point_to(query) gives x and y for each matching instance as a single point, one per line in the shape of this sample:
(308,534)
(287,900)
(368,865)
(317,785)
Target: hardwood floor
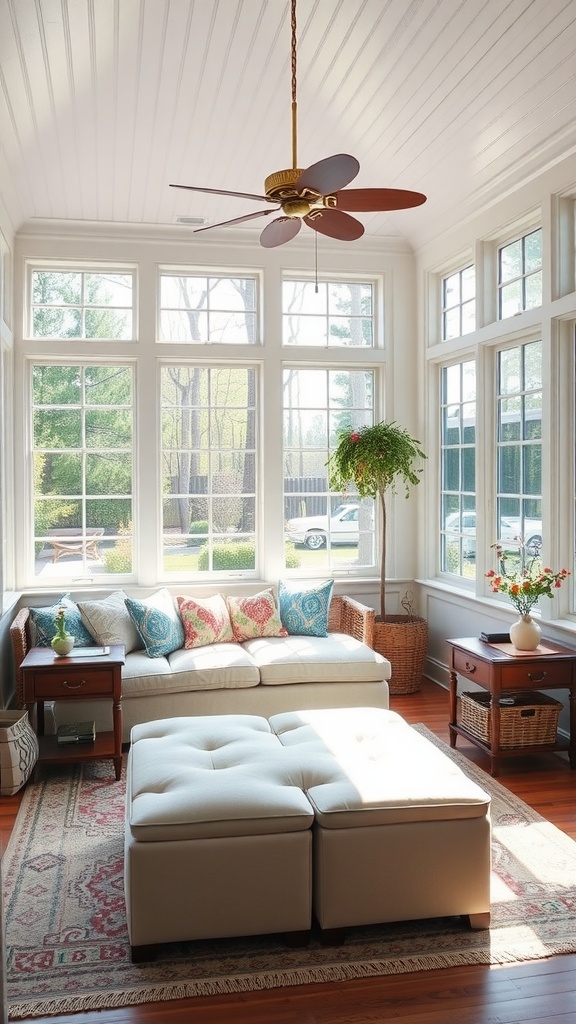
(532,993)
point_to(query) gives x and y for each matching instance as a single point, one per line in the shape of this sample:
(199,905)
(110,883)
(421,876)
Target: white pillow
(109,621)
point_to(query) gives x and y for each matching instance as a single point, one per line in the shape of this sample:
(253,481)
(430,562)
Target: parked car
(510,530)
(313,531)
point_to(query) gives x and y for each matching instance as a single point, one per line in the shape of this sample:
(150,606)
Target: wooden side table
(497,667)
(78,678)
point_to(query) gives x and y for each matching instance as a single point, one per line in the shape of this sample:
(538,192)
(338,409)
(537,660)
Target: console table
(77,677)
(498,668)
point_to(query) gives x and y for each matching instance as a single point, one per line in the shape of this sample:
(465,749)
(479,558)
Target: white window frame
(82,267)
(210,273)
(326,280)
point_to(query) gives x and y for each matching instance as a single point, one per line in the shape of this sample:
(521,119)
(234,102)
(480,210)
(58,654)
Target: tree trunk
(383,556)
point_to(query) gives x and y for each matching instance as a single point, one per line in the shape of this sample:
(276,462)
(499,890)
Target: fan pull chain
(294,104)
(316,262)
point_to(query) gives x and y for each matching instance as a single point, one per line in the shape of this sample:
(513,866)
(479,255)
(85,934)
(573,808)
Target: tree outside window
(326,531)
(82,429)
(208,469)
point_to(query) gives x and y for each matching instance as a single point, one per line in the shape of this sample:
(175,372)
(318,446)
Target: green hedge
(199,526)
(231,556)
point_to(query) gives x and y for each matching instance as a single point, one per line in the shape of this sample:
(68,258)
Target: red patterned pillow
(205,620)
(255,616)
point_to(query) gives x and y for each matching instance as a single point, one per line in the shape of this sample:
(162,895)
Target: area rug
(66,937)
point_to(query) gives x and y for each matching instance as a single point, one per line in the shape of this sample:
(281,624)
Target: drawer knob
(73,686)
(539,678)
(470,668)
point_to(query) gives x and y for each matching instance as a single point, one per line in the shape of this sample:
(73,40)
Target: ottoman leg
(297,940)
(141,954)
(479,922)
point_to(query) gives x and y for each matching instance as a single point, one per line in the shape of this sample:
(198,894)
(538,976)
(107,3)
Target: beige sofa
(362,818)
(261,676)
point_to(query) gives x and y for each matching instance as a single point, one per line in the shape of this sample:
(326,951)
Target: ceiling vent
(191,221)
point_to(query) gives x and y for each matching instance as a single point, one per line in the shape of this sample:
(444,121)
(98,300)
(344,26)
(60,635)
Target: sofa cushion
(255,616)
(213,667)
(158,624)
(308,659)
(305,612)
(205,620)
(43,626)
(109,621)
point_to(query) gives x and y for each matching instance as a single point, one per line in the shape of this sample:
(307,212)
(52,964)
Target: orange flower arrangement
(526,586)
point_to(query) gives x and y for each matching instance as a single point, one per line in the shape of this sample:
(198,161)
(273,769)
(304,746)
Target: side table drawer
(527,677)
(470,667)
(72,683)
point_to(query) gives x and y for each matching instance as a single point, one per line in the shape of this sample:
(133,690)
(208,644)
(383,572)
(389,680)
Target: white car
(509,528)
(313,531)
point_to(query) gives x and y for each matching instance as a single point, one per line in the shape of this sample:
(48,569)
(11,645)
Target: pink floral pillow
(255,616)
(205,620)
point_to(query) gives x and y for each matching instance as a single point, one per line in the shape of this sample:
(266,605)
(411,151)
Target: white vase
(62,645)
(525,634)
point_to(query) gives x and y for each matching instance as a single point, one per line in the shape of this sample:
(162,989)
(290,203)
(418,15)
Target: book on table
(76,732)
(89,652)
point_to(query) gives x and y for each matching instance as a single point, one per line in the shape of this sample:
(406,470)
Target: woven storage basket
(18,751)
(403,639)
(531,720)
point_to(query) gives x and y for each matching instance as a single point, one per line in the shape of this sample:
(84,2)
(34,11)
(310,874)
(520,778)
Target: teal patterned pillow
(158,624)
(305,612)
(43,627)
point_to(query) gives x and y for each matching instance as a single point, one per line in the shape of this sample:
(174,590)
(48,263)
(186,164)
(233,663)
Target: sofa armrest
(20,646)
(352,617)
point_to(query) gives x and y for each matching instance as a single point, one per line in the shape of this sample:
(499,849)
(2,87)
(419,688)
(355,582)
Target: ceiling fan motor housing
(282,187)
(282,184)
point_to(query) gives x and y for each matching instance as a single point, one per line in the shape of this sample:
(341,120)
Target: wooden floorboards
(533,993)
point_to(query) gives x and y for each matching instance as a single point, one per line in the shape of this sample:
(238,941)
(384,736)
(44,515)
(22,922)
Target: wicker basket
(531,720)
(403,639)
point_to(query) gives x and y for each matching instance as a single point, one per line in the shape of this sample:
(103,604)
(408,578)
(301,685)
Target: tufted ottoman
(236,825)
(218,838)
(400,832)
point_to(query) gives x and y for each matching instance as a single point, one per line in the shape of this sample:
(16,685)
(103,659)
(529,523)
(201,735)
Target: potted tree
(377,460)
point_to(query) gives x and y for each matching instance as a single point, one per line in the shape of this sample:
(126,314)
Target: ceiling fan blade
(330,174)
(335,224)
(235,220)
(280,231)
(373,200)
(224,192)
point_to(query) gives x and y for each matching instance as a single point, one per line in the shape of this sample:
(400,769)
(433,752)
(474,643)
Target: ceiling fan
(316,195)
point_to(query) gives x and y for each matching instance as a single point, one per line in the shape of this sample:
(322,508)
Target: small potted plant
(377,460)
(62,642)
(524,587)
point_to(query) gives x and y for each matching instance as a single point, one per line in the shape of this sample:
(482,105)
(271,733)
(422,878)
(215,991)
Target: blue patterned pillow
(43,626)
(158,624)
(305,612)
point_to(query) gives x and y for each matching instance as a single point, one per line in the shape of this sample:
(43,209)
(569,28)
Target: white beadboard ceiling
(103,103)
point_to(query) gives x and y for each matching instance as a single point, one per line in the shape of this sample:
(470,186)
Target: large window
(82,450)
(149,461)
(199,309)
(519,449)
(209,446)
(458,469)
(458,303)
(520,275)
(329,313)
(92,304)
(324,530)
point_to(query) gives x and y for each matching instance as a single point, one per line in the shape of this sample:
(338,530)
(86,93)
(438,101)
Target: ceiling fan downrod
(294,91)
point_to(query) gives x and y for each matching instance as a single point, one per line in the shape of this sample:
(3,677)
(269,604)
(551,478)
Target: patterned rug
(66,935)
